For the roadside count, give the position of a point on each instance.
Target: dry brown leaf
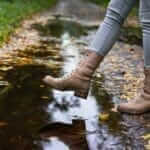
(2, 124)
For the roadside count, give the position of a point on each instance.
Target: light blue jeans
(109, 30)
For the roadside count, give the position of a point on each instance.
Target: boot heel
(81, 93)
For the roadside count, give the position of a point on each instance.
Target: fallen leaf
(2, 124)
(104, 116)
(45, 97)
(42, 86)
(114, 109)
(146, 137)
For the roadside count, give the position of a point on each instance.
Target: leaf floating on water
(42, 86)
(5, 68)
(2, 124)
(45, 97)
(1, 77)
(4, 83)
(104, 116)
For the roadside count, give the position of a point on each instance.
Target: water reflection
(65, 108)
(54, 144)
(70, 53)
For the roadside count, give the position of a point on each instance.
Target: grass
(12, 12)
(104, 3)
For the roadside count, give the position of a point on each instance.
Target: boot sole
(79, 93)
(133, 112)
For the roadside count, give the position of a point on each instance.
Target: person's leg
(145, 23)
(109, 30)
(142, 103)
(79, 80)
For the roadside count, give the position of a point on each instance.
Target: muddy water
(34, 116)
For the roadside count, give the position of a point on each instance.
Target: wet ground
(36, 117)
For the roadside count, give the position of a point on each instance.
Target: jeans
(109, 30)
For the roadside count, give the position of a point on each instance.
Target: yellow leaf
(42, 86)
(45, 97)
(146, 137)
(104, 116)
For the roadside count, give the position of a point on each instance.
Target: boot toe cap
(47, 80)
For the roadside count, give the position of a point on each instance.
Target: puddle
(58, 27)
(33, 116)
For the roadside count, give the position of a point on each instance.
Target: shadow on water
(33, 116)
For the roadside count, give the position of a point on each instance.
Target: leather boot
(142, 103)
(79, 79)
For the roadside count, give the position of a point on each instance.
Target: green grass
(12, 12)
(104, 3)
